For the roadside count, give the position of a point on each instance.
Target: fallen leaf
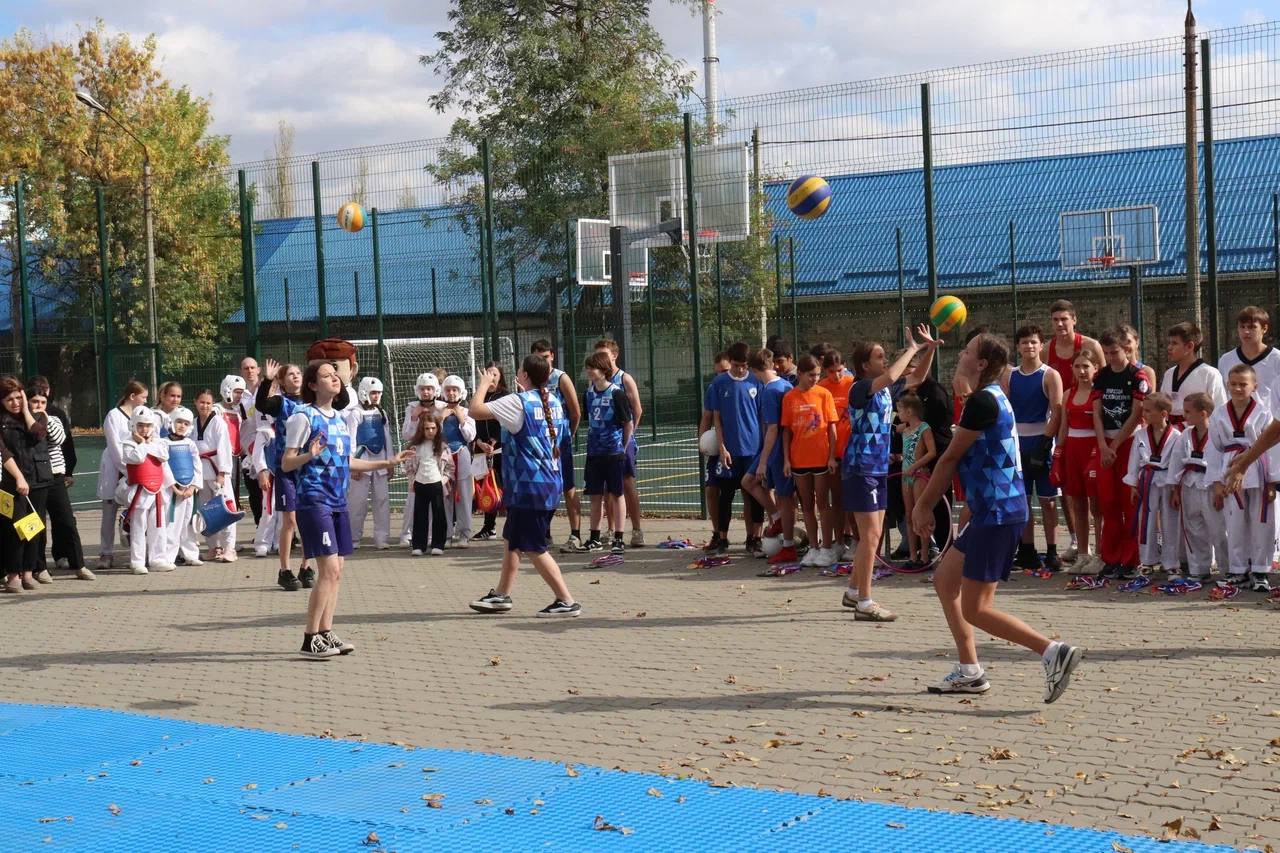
(1215, 823)
(252, 786)
(1001, 753)
(895, 825)
(484, 802)
(209, 780)
(1120, 848)
(680, 799)
(601, 825)
(654, 792)
(1173, 828)
(135, 762)
(569, 771)
(114, 809)
(732, 679)
(56, 819)
(371, 839)
(508, 811)
(642, 614)
(495, 661)
(282, 825)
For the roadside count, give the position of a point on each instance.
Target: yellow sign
(29, 526)
(6, 504)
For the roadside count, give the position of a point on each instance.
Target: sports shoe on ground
(559, 608)
(336, 641)
(493, 602)
(1027, 558)
(722, 548)
(163, 567)
(381, 546)
(288, 581)
(844, 553)
(43, 576)
(900, 553)
(194, 561)
(618, 547)
(786, 555)
(1150, 569)
(317, 647)
(260, 551)
(774, 528)
(1237, 580)
(84, 574)
(1109, 571)
(957, 682)
(712, 544)
(416, 552)
(1052, 561)
(637, 539)
(572, 545)
(104, 563)
(463, 542)
(228, 557)
(1057, 671)
(591, 546)
(873, 612)
(437, 552)
(138, 570)
(810, 557)
(826, 557)
(484, 535)
(1173, 576)
(1258, 582)
(307, 577)
(1127, 573)
(1085, 564)
(755, 548)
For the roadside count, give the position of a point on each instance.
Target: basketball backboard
(595, 261)
(648, 188)
(1111, 236)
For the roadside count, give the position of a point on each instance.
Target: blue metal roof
(412, 242)
(852, 248)
(51, 301)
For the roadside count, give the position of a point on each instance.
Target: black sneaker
(1260, 582)
(755, 547)
(336, 642)
(618, 546)
(900, 553)
(288, 581)
(592, 545)
(722, 548)
(1110, 571)
(1052, 561)
(712, 547)
(317, 647)
(559, 608)
(494, 602)
(307, 577)
(484, 535)
(1027, 557)
(1057, 672)
(1126, 573)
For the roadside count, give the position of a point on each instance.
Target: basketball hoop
(1104, 261)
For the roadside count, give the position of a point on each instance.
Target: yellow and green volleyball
(947, 313)
(809, 196)
(351, 217)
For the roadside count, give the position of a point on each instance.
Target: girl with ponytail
(533, 419)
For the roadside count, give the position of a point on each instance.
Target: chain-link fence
(943, 182)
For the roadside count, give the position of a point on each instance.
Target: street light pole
(92, 103)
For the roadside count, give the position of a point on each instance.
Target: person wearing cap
(144, 456)
(371, 437)
(183, 479)
(342, 354)
(27, 475)
(427, 388)
(459, 431)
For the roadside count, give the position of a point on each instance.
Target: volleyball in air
(809, 196)
(351, 217)
(947, 313)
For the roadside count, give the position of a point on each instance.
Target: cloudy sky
(345, 78)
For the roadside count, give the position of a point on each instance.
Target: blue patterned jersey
(530, 470)
(274, 452)
(991, 469)
(871, 421)
(616, 381)
(322, 482)
(607, 415)
(553, 384)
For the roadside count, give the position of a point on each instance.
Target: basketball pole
(377, 293)
(902, 293)
(621, 292)
(1013, 273)
(930, 234)
(322, 308)
(691, 215)
(1191, 160)
(1210, 207)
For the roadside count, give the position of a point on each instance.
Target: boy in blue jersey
(767, 470)
(984, 450)
(784, 362)
(318, 448)
(623, 380)
(705, 422)
(608, 434)
(560, 386)
(734, 397)
(1034, 390)
(287, 379)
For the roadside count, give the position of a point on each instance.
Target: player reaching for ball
(984, 450)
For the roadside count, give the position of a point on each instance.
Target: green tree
(63, 150)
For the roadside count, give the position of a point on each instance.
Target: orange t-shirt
(808, 414)
(839, 389)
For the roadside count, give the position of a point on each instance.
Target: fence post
(288, 321)
(515, 309)
(1013, 274)
(691, 225)
(251, 308)
(719, 302)
(29, 366)
(930, 236)
(795, 308)
(554, 309)
(246, 265)
(355, 286)
(377, 290)
(1135, 299)
(1210, 220)
(435, 306)
(572, 294)
(653, 370)
(488, 249)
(322, 308)
(484, 292)
(902, 294)
(1275, 240)
(777, 283)
(108, 318)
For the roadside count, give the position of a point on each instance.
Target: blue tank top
(274, 452)
(530, 469)
(322, 482)
(453, 433)
(616, 381)
(872, 424)
(1026, 395)
(371, 432)
(991, 470)
(553, 384)
(605, 431)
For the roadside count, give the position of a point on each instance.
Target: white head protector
(182, 413)
(143, 415)
(427, 380)
(230, 383)
(455, 381)
(368, 385)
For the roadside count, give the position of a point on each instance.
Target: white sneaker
(194, 561)
(637, 538)
(826, 557)
(1070, 555)
(138, 570)
(462, 542)
(228, 557)
(104, 562)
(163, 567)
(382, 546)
(84, 574)
(416, 552)
(259, 552)
(809, 558)
(437, 552)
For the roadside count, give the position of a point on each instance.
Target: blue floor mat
(86, 779)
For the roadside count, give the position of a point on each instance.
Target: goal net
(406, 358)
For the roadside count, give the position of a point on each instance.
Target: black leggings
(255, 497)
(428, 500)
(62, 525)
(724, 510)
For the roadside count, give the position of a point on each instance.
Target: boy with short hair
(767, 472)
(1035, 392)
(1252, 325)
(784, 363)
(1121, 385)
(1191, 460)
(608, 434)
(1250, 514)
(1188, 374)
(1152, 481)
(736, 417)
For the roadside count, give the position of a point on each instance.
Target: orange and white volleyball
(351, 217)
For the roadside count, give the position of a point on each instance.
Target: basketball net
(1102, 265)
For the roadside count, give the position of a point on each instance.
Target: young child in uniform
(609, 428)
(918, 452)
(215, 455)
(144, 456)
(232, 389)
(1250, 513)
(1192, 463)
(434, 471)
(1152, 481)
(1189, 374)
(182, 482)
(370, 430)
(459, 431)
(428, 388)
(1252, 325)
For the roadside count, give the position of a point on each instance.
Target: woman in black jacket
(24, 438)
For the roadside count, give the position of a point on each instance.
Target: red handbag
(488, 495)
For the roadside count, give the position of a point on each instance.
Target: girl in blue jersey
(534, 421)
(287, 379)
(318, 448)
(984, 450)
(609, 428)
